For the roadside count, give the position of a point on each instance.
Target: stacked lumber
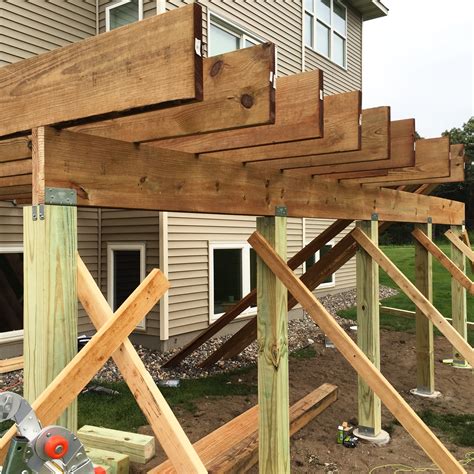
(112, 462)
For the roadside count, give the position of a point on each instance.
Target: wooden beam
(15, 149)
(461, 242)
(233, 448)
(23, 180)
(73, 378)
(359, 361)
(414, 294)
(238, 92)
(425, 377)
(10, 365)
(164, 424)
(368, 332)
(50, 300)
(101, 75)
(111, 173)
(272, 334)
(300, 116)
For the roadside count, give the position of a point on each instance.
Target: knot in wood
(217, 67)
(143, 179)
(246, 100)
(276, 355)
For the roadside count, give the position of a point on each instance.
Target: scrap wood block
(139, 448)
(116, 463)
(233, 448)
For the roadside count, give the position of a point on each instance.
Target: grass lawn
(404, 258)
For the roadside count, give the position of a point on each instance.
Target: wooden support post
(424, 327)
(368, 330)
(272, 330)
(50, 301)
(458, 297)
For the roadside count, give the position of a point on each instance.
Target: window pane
(309, 5)
(339, 18)
(222, 41)
(338, 50)
(253, 269)
(227, 278)
(308, 30)
(310, 261)
(124, 14)
(11, 292)
(323, 11)
(249, 42)
(322, 39)
(326, 248)
(126, 274)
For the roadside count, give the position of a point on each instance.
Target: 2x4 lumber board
(458, 296)
(23, 180)
(10, 365)
(162, 420)
(67, 385)
(460, 244)
(15, 149)
(238, 92)
(139, 66)
(138, 447)
(251, 299)
(415, 295)
(299, 117)
(368, 333)
(359, 361)
(425, 377)
(116, 462)
(50, 301)
(457, 270)
(233, 447)
(272, 334)
(112, 173)
(14, 168)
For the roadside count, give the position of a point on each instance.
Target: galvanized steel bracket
(61, 196)
(281, 211)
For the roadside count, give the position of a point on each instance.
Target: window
(232, 274)
(125, 271)
(330, 281)
(225, 37)
(122, 13)
(325, 26)
(11, 291)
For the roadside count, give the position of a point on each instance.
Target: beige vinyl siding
(336, 78)
(126, 226)
(11, 225)
(34, 27)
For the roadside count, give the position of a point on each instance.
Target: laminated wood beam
(73, 378)
(111, 173)
(415, 295)
(98, 77)
(162, 420)
(238, 91)
(359, 361)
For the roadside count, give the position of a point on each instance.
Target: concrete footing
(421, 393)
(380, 439)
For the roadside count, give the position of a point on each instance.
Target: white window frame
(111, 248)
(232, 28)
(315, 19)
(117, 4)
(11, 336)
(329, 284)
(245, 248)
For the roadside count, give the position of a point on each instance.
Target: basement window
(11, 292)
(122, 13)
(126, 267)
(330, 281)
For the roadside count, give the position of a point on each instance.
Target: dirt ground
(314, 448)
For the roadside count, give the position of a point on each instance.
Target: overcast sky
(419, 60)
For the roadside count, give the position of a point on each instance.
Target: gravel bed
(301, 333)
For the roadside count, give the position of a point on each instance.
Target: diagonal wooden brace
(75, 376)
(152, 403)
(359, 361)
(463, 244)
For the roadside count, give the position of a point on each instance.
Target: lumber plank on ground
(112, 173)
(138, 447)
(299, 117)
(74, 377)
(238, 92)
(233, 447)
(98, 76)
(116, 462)
(10, 365)
(359, 361)
(415, 295)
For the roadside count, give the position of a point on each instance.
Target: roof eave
(370, 9)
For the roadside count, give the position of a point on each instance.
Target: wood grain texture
(15, 149)
(359, 361)
(10, 365)
(50, 301)
(162, 420)
(140, 65)
(460, 244)
(117, 463)
(238, 92)
(111, 173)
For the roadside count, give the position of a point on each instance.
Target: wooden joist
(15, 149)
(103, 74)
(233, 448)
(111, 173)
(238, 91)
(10, 365)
